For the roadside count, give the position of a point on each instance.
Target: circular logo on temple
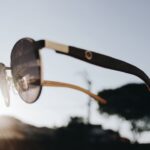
(88, 55)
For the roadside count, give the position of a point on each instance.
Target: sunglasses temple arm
(67, 85)
(99, 60)
(108, 62)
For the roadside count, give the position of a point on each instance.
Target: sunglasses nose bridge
(8, 68)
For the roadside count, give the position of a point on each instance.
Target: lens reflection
(26, 70)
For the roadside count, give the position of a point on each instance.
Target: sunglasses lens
(26, 70)
(3, 84)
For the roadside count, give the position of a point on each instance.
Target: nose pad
(4, 84)
(23, 84)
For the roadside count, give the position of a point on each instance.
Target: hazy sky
(118, 28)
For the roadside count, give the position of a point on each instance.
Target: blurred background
(116, 28)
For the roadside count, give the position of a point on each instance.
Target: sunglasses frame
(86, 56)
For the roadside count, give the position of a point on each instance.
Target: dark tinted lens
(26, 70)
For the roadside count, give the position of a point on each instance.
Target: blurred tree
(131, 102)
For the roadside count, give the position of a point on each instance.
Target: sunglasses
(27, 74)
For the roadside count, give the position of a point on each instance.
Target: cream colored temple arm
(67, 85)
(57, 46)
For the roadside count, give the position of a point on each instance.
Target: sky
(118, 28)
